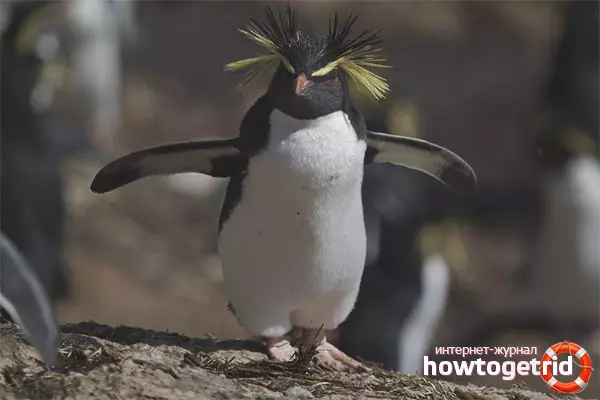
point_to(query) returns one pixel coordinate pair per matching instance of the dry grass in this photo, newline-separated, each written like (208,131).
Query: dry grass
(379,383)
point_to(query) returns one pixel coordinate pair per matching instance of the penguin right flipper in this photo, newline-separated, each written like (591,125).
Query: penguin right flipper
(420,155)
(24,298)
(217,158)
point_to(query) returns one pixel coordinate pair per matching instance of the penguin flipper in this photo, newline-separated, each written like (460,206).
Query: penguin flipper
(24,298)
(423,156)
(217,158)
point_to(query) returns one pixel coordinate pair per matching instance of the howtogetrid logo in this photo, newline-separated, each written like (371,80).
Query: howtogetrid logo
(549,368)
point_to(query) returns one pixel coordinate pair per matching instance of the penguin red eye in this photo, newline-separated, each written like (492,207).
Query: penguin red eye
(329,82)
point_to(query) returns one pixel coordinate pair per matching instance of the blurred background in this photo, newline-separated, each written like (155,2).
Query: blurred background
(512,87)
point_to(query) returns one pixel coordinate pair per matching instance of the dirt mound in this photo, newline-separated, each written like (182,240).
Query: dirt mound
(104,362)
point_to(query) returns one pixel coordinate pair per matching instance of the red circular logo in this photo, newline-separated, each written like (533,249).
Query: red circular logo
(585,362)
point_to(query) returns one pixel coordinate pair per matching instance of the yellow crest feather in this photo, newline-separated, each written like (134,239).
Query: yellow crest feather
(259,67)
(249,62)
(353,56)
(356,67)
(259,39)
(31,27)
(375,84)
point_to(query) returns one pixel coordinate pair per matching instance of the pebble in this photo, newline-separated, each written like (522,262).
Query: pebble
(298,392)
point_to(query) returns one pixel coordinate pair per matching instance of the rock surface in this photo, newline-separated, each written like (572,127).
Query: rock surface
(103,362)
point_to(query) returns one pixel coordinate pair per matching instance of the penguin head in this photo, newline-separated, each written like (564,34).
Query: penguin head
(311,76)
(299,91)
(559,146)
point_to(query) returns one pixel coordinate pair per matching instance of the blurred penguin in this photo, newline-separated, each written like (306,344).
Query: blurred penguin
(41,37)
(31,209)
(566,259)
(406,280)
(569,152)
(100,28)
(393,293)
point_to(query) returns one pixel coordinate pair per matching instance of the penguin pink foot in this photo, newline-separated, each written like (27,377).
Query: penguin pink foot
(280,349)
(327,355)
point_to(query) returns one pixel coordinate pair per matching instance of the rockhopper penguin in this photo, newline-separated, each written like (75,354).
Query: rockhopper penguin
(292,236)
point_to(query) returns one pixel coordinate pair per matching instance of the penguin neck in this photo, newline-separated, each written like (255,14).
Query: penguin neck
(299,120)
(309,159)
(300,109)
(283,126)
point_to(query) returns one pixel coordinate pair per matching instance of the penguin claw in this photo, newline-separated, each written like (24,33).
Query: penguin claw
(331,358)
(327,356)
(280,350)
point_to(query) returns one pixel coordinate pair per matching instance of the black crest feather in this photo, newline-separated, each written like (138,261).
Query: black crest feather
(339,42)
(280,31)
(339,49)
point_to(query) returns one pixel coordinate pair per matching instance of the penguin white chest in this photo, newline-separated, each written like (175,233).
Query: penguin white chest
(297,235)
(319,154)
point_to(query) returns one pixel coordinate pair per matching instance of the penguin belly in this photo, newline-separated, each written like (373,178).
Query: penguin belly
(293,249)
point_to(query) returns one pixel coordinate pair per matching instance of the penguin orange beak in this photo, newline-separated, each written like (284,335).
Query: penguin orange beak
(301,84)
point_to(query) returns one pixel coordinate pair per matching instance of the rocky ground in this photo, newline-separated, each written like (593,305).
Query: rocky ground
(104,362)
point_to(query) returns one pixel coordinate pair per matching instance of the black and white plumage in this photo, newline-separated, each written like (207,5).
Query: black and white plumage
(32,270)
(405,283)
(101,29)
(31,206)
(569,150)
(292,235)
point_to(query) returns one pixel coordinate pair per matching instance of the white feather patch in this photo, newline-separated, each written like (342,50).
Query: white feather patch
(419,328)
(293,249)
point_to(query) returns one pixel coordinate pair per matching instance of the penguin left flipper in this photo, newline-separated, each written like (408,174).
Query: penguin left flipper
(25,300)
(423,156)
(216,158)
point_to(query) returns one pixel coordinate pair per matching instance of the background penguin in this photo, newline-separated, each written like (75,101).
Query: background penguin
(569,152)
(101,30)
(32,206)
(410,240)
(292,236)
(404,289)
(32,274)
(565,259)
